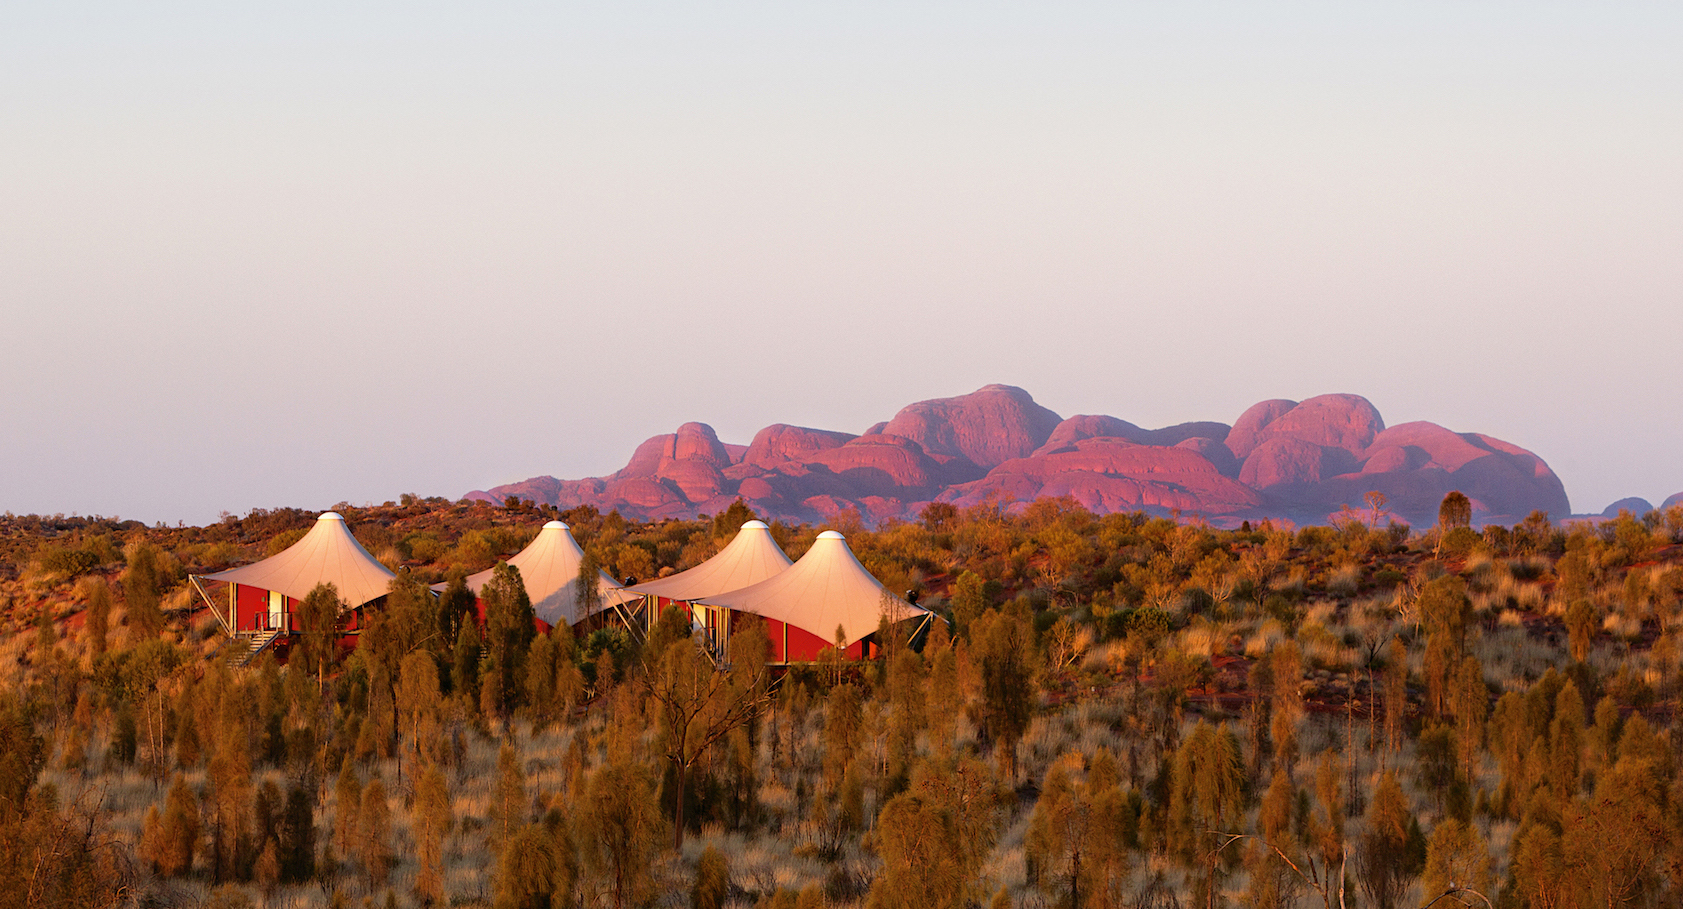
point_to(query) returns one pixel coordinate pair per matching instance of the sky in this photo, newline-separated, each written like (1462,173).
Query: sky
(258,255)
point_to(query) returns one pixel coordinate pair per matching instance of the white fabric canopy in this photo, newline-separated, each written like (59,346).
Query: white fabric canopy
(827,588)
(549,567)
(328,554)
(750,558)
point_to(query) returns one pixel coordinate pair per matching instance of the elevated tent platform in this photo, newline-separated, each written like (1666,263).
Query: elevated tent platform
(751,556)
(825,594)
(549,569)
(262,597)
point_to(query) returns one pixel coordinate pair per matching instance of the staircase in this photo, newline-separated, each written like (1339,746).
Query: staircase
(255,643)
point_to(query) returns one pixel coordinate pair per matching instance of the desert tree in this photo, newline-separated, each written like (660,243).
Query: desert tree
(510,802)
(969,600)
(942,698)
(229,774)
(1206,793)
(347,801)
(176,837)
(1274,878)
(1393,851)
(1004,650)
(553,681)
(934,836)
(298,835)
(906,709)
(1566,743)
(465,659)
(1376,502)
(1329,854)
(318,631)
(1445,611)
(620,828)
(712,880)
(1456,510)
(509,630)
(1074,840)
(1581,624)
(533,871)
(1471,704)
(1396,694)
(1285,673)
(432,820)
(97,626)
(587,588)
(417,708)
(142,583)
(698,704)
(1457,855)
(455,609)
(408,623)
(918,841)
(151,680)
(844,726)
(1613,841)
(374,834)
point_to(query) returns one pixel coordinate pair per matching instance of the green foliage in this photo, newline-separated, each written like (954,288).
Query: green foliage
(317,619)
(1455,511)
(509,630)
(1003,646)
(1208,787)
(621,830)
(532,872)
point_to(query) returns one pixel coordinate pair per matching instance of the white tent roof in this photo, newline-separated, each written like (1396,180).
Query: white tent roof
(549,566)
(751,557)
(825,589)
(328,554)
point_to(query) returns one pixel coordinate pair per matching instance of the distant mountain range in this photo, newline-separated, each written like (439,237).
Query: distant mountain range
(1303,461)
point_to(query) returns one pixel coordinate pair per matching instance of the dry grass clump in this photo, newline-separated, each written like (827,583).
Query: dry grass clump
(1346,579)
(1512,658)
(1201,640)
(1264,638)
(1623,626)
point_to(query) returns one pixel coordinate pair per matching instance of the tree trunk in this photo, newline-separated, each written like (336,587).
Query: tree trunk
(678,809)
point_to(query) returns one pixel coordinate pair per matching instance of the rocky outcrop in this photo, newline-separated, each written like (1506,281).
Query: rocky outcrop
(781,443)
(1303,461)
(1636,505)
(986,427)
(1110,474)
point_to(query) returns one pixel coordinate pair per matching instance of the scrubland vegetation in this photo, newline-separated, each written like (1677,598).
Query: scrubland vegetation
(1119,711)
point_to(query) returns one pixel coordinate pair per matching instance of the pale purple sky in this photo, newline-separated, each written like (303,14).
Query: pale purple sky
(294,256)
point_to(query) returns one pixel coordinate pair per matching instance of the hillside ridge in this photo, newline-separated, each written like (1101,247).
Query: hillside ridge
(1305,461)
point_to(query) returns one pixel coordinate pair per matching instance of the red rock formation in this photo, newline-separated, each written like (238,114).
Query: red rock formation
(1285,461)
(781,442)
(986,427)
(1108,474)
(1245,434)
(1348,422)
(1298,461)
(884,465)
(1213,451)
(1636,505)
(1088,426)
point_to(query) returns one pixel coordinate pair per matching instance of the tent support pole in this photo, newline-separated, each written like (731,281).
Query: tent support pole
(922,627)
(631,626)
(211,604)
